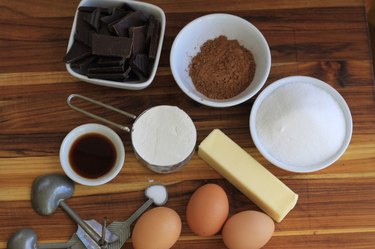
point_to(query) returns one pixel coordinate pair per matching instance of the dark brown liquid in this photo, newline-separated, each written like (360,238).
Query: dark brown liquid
(92,155)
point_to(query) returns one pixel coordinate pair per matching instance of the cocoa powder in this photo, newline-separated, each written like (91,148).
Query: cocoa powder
(222,69)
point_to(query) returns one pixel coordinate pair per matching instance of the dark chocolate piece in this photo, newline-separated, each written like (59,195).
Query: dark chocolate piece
(127,7)
(82,24)
(151,25)
(87,9)
(138,35)
(111,61)
(153,34)
(94,19)
(111,46)
(76,52)
(84,36)
(127,72)
(115,16)
(103,30)
(115,69)
(140,64)
(110,76)
(136,18)
(83,29)
(83,65)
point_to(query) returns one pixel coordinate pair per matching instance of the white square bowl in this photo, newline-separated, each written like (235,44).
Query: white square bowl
(148,9)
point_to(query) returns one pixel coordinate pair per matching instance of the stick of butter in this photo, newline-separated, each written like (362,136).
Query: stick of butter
(246,174)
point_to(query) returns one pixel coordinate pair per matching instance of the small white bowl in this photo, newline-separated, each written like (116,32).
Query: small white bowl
(189,40)
(309,167)
(148,9)
(79,131)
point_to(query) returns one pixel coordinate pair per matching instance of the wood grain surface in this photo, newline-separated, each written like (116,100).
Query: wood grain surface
(324,39)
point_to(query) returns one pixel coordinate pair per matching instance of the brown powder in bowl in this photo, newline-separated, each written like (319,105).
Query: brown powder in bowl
(222,69)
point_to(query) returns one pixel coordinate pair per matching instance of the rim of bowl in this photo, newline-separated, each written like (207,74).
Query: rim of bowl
(328,89)
(226,102)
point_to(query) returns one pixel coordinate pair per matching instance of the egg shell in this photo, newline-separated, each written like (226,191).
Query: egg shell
(158,228)
(248,230)
(207,210)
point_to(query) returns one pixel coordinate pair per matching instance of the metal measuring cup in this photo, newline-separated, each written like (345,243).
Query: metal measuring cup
(154,167)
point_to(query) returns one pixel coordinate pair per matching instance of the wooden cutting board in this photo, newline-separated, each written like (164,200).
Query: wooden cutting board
(323,39)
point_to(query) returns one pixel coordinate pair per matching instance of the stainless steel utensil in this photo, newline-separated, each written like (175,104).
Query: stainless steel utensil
(51,191)
(122,228)
(26,238)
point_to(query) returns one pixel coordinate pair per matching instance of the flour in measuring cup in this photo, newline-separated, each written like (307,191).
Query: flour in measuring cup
(164,135)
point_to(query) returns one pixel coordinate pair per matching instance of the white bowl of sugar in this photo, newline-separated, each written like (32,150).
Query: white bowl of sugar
(301,124)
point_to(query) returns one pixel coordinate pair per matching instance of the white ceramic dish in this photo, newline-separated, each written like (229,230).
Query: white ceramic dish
(148,9)
(189,40)
(328,89)
(79,131)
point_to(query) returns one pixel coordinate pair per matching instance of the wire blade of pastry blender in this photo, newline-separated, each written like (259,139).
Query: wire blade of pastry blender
(89,243)
(120,228)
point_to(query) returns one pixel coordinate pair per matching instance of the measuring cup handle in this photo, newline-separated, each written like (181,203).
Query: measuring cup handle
(94,116)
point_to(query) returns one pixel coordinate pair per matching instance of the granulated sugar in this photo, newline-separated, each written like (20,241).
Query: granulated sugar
(300,124)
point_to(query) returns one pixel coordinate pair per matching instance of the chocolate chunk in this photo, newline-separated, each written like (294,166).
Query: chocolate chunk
(111,61)
(151,25)
(82,24)
(94,19)
(115,16)
(110,76)
(153,34)
(136,18)
(115,69)
(140,64)
(84,36)
(76,52)
(87,9)
(127,7)
(84,64)
(103,30)
(111,46)
(138,35)
(90,9)
(83,28)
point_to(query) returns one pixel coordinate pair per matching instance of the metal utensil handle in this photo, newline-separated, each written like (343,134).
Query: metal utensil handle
(129,115)
(54,245)
(139,211)
(91,232)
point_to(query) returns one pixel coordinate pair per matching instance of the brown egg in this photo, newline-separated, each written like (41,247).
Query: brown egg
(207,210)
(158,228)
(248,230)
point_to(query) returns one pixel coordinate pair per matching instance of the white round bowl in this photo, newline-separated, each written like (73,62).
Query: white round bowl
(310,167)
(79,131)
(189,40)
